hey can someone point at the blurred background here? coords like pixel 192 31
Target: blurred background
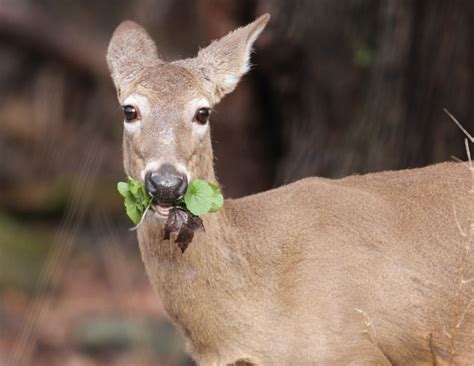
pixel 337 88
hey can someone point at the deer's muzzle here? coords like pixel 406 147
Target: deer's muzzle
pixel 167 186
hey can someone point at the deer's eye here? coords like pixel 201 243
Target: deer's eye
pixel 202 115
pixel 130 113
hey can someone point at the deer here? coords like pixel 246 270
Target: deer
pixel 371 269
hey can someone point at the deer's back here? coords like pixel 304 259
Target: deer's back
pixel 367 267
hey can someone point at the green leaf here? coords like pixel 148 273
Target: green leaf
pixel 198 197
pixel 122 187
pixel 131 208
pixel 217 198
pixel 136 199
pixel 134 186
pixel 203 197
pixel 144 197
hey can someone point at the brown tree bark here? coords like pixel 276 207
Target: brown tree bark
pixel 361 85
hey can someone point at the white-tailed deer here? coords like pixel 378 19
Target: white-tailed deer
pixel 365 270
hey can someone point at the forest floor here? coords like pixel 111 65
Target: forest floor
pixel 98 309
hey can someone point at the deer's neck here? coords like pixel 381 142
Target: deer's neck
pixel 164 261
pixel 194 285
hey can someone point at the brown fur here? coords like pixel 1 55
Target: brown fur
pixel 364 270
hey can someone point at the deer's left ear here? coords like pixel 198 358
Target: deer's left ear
pixel 225 61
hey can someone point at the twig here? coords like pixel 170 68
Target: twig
pixel 369 324
pixel 468 152
pixel 468 280
pixel 455 158
pixel 464 314
pixel 457 222
pixel 141 220
pixel 468 135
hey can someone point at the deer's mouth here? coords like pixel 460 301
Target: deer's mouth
pixel 162 210
pixel 163 205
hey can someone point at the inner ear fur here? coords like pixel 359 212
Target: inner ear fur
pixel 130 49
pixel 221 64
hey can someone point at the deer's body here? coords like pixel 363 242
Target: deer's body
pixel 294 275
pixel 370 269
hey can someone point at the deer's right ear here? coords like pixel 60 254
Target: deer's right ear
pixel 129 50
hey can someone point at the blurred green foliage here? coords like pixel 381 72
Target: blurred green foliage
pixel 106 334
pixel 363 56
pixel 23 252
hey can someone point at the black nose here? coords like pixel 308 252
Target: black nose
pixel 167 186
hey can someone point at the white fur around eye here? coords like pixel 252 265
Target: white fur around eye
pixel 199 130
pixel 140 102
pixel 131 127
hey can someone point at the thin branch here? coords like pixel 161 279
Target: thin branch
pixel 455 158
pixel 141 220
pixel 446 333
pixel 469 280
pixel 369 324
pixel 468 152
pixel 468 135
pixel 464 314
pixel 457 222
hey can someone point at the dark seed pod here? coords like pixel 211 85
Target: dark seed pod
pixel 184 224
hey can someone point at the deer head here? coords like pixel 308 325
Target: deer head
pixel 167 106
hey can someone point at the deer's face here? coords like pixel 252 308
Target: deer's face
pixel 166 106
pixel 166 120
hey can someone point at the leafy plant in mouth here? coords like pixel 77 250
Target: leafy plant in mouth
pixel 183 221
